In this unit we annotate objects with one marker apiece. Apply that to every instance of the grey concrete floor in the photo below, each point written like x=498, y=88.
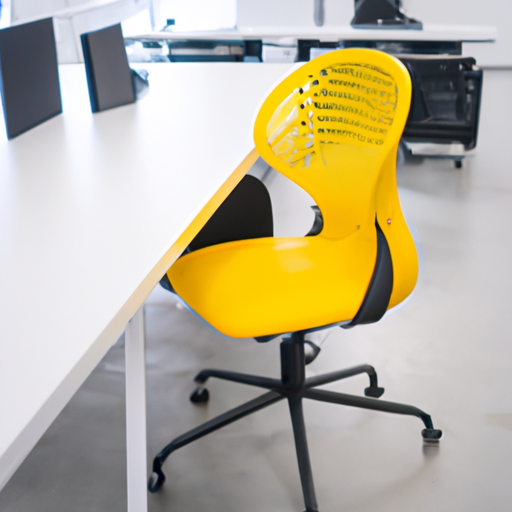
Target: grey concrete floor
x=448, y=350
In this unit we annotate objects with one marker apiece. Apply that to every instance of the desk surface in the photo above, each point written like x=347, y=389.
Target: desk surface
x=289, y=35
x=93, y=210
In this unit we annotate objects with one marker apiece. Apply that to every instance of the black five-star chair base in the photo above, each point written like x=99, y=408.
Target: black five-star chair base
x=293, y=386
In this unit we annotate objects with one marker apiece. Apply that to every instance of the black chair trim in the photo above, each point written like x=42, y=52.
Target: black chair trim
x=245, y=214
x=376, y=301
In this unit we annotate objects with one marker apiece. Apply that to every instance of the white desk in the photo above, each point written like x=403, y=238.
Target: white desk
x=93, y=210
x=289, y=35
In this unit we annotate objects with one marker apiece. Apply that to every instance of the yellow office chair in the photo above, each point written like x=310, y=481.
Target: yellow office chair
x=333, y=127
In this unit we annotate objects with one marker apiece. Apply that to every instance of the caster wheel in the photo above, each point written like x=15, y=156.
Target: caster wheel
x=156, y=480
x=374, y=392
x=458, y=164
x=431, y=435
x=200, y=396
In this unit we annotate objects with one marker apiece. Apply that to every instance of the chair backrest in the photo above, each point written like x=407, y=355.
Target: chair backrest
x=333, y=127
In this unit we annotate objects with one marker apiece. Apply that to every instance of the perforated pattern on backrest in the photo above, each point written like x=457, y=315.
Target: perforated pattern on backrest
x=343, y=103
x=329, y=127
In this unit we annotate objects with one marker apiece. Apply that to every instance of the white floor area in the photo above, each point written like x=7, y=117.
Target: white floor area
x=447, y=350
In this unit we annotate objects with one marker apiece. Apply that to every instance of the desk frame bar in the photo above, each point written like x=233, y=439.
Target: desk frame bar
x=136, y=449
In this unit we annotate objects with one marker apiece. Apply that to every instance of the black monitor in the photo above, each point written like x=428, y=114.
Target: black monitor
x=29, y=77
x=108, y=73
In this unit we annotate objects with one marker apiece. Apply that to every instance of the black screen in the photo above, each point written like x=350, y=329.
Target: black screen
x=29, y=77
x=108, y=72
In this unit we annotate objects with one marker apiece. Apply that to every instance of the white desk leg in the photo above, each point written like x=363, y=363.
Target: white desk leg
x=136, y=413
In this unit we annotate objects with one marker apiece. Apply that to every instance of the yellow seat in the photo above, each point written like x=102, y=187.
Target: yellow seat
x=319, y=281
x=333, y=127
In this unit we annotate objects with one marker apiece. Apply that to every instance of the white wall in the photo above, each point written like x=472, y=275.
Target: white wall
x=68, y=28
x=30, y=9
x=450, y=12
x=74, y=17
x=23, y=10
x=285, y=13
x=472, y=12
x=199, y=14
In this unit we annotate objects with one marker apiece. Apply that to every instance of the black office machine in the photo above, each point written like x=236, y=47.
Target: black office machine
x=446, y=97
x=382, y=14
